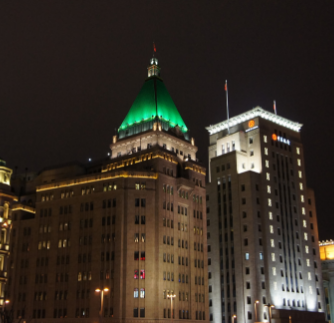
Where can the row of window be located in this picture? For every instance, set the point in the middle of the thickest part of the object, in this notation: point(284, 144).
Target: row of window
point(140, 186)
point(45, 212)
point(40, 296)
point(61, 295)
point(41, 278)
point(108, 203)
point(142, 255)
point(67, 194)
point(136, 293)
point(106, 256)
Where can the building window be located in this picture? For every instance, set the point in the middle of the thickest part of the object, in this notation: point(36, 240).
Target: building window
point(273, 256)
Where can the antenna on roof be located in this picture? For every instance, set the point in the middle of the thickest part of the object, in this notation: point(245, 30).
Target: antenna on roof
point(227, 112)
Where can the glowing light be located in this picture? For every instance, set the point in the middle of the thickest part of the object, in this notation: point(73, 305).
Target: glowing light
point(92, 180)
point(255, 112)
point(274, 136)
point(146, 108)
point(251, 123)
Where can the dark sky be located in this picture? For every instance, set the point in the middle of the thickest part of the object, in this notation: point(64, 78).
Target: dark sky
point(70, 70)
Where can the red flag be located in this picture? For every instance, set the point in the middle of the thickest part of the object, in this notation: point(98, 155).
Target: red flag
point(225, 86)
point(154, 48)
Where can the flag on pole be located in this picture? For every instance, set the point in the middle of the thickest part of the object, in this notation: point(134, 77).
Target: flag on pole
point(227, 111)
point(154, 48)
point(274, 106)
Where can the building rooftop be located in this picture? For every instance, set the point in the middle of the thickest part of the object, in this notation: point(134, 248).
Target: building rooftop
point(153, 103)
point(255, 112)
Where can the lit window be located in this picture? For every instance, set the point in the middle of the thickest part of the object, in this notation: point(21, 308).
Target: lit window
point(137, 186)
point(135, 293)
point(142, 274)
point(308, 262)
point(264, 138)
point(273, 256)
point(307, 249)
point(310, 289)
point(305, 236)
point(267, 163)
point(268, 176)
point(274, 271)
point(252, 152)
point(301, 186)
point(299, 163)
point(266, 151)
point(268, 189)
point(271, 229)
point(261, 256)
point(300, 174)
point(247, 255)
point(269, 202)
point(142, 293)
point(309, 276)
point(302, 198)
point(298, 150)
point(304, 223)
point(303, 211)
point(272, 243)
point(275, 285)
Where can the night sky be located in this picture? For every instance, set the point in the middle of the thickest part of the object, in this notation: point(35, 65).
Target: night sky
point(70, 70)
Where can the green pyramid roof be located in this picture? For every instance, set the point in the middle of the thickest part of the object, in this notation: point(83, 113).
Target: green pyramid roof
point(146, 108)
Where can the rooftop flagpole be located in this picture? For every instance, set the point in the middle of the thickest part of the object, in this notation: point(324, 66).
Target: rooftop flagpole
point(227, 112)
point(274, 106)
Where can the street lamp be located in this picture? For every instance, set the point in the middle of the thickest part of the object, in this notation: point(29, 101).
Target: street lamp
point(98, 290)
point(171, 303)
point(255, 310)
point(233, 318)
point(269, 310)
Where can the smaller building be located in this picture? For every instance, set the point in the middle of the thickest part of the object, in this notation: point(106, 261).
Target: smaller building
point(326, 251)
point(6, 200)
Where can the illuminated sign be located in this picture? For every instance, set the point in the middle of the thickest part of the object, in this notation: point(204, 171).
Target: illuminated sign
point(251, 123)
point(280, 139)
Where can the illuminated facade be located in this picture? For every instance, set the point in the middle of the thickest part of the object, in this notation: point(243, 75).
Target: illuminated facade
point(262, 227)
point(326, 249)
point(6, 201)
point(132, 226)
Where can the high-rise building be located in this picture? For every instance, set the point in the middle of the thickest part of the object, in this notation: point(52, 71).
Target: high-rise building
point(7, 198)
point(326, 249)
point(263, 251)
point(123, 238)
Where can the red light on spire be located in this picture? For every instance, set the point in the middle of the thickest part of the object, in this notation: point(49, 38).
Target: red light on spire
point(154, 48)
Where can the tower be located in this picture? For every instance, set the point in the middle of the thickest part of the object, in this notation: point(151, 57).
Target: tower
point(122, 239)
point(262, 228)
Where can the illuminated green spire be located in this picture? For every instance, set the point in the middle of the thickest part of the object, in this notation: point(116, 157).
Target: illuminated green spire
point(153, 102)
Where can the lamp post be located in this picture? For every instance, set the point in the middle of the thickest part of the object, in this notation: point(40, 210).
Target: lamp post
point(171, 303)
point(233, 318)
point(255, 311)
point(98, 290)
point(269, 310)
